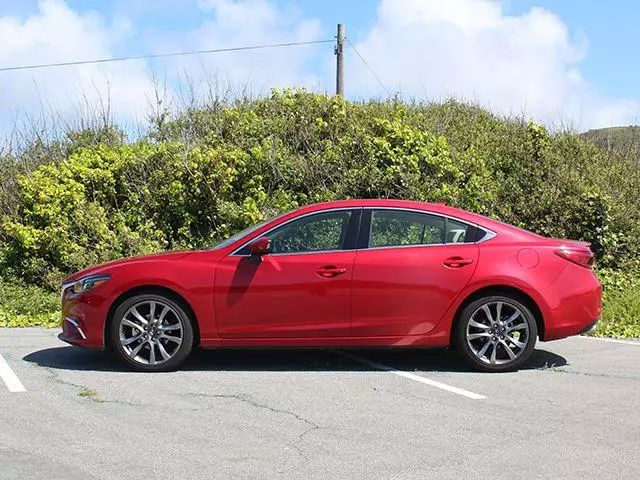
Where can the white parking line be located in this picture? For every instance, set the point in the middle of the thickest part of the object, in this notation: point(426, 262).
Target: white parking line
point(613, 340)
point(411, 376)
point(11, 380)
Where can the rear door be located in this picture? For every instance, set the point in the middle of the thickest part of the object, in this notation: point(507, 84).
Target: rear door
point(409, 268)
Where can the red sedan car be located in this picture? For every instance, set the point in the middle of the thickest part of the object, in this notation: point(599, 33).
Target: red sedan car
point(339, 274)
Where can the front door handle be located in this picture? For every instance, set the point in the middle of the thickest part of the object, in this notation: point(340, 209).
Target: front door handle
point(457, 262)
point(330, 271)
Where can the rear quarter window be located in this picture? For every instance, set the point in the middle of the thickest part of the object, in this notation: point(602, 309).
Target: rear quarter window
point(461, 232)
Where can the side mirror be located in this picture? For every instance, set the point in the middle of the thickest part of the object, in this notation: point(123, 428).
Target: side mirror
point(260, 246)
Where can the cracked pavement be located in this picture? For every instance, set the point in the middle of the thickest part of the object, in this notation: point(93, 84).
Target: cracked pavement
point(571, 413)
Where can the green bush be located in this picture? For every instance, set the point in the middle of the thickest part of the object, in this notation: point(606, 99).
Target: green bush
point(202, 174)
point(28, 306)
point(620, 305)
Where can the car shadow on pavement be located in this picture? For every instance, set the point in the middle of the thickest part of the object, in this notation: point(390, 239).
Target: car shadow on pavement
point(271, 360)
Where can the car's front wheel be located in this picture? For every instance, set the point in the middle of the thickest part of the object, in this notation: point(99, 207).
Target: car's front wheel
point(496, 333)
point(151, 332)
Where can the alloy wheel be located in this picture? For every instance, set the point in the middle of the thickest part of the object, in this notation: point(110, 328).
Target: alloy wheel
point(497, 333)
point(151, 332)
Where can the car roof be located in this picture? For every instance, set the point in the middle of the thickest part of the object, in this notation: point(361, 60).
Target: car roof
point(438, 208)
point(432, 207)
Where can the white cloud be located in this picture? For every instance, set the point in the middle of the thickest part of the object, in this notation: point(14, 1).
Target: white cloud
point(473, 50)
point(255, 22)
point(233, 23)
point(56, 33)
point(470, 49)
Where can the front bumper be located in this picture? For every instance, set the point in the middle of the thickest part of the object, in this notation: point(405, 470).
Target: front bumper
point(83, 317)
point(72, 332)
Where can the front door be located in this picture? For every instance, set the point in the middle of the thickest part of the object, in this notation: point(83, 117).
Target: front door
point(300, 289)
point(411, 269)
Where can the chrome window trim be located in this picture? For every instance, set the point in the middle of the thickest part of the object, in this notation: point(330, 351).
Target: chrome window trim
point(387, 247)
point(339, 209)
point(304, 253)
point(489, 234)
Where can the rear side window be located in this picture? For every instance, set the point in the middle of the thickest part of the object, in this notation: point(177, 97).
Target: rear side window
point(398, 228)
point(393, 228)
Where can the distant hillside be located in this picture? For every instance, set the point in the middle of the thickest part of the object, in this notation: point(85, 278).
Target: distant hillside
point(618, 139)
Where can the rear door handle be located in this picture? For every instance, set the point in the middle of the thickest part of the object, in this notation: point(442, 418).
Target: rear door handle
point(457, 262)
point(330, 271)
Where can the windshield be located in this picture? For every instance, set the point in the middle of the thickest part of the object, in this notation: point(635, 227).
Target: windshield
point(246, 231)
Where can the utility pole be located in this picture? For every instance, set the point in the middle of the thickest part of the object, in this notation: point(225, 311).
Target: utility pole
point(339, 52)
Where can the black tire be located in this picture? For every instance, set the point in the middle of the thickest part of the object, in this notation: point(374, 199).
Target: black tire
point(121, 332)
point(470, 348)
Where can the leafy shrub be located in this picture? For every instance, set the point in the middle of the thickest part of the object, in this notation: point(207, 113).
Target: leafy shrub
point(205, 173)
point(24, 305)
point(621, 304)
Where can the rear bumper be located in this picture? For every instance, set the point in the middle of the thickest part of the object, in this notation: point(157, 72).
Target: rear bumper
point(575, 304)
point(590, 329)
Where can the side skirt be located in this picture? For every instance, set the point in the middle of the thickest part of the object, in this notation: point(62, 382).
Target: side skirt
point(440, 340)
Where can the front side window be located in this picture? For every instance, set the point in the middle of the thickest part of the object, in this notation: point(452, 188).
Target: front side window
point(312, 233)
point(398, 228)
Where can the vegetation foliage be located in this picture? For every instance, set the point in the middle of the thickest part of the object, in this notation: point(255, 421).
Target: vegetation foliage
point(204, 173)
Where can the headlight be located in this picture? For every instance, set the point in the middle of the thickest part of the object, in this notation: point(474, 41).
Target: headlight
point(87, 283)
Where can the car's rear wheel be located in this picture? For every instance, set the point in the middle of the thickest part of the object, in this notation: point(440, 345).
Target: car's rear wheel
point(496, 333)
point(151, 333)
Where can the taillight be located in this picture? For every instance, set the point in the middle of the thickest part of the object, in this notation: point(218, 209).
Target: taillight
point(581, 257)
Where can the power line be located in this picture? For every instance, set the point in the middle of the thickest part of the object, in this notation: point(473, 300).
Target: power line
point(161, 55)
point(369, 67)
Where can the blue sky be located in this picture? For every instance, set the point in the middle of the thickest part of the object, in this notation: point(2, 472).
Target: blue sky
point(569, 62)
point(611, 29)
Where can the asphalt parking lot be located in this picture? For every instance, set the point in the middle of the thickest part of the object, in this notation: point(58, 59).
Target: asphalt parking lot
point(401, 414)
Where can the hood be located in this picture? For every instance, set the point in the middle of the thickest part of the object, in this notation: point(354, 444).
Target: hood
point(105, 267)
